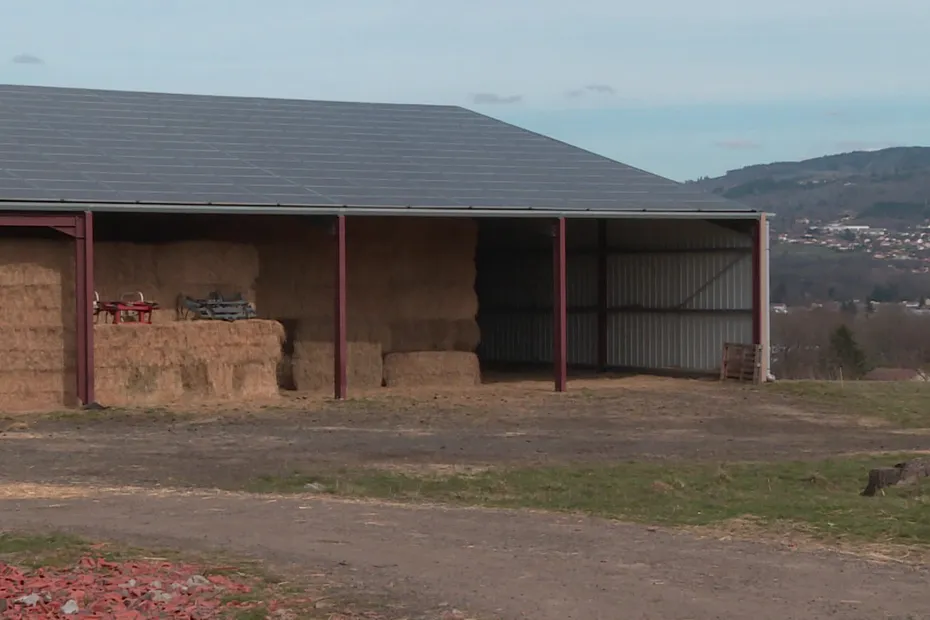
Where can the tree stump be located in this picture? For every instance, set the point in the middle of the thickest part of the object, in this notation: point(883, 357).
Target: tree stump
point(908, 472)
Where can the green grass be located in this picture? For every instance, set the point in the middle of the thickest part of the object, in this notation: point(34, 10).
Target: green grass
point(821, 497)
point(34, 550)
point(904, 404)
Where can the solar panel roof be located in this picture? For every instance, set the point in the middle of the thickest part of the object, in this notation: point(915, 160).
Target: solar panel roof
point(128, 147)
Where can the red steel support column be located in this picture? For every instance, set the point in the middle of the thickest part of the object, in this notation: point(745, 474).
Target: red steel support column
point(84, 295)
point(80, 332)
point(602, 295)
point(340, 349)
point(559, 307)
point(758, 230)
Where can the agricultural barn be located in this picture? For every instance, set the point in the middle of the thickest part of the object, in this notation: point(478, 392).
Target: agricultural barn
point(379, 245)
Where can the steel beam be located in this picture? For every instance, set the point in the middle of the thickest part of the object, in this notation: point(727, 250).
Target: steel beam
point(559, 307)
point(85, 316)
point(62, 223)
point(340, 347)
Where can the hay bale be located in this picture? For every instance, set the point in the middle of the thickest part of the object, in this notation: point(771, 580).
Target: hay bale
point(432, 368)
point(37, 390)
point(193, 361)
point(409, 336)
point(399, 270)
point(37, 308)
point(313, 365)
point(163, 271)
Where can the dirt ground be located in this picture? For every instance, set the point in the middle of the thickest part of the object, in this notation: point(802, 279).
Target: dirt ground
point(494, 563)
point(524, 423)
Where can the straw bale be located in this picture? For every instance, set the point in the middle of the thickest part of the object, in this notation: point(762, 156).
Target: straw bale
point(187, 360)
point(359, 328)
point(313, 365)
point(296, 272)
point(138, 385)
point(36, 262)
point(163, 271)
point(432, 368)
point(36, 283)
point(408, 336)
point(26, 390)
point(205, 266)
point(398, 269)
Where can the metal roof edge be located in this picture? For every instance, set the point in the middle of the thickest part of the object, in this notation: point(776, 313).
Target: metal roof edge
point(385, 211)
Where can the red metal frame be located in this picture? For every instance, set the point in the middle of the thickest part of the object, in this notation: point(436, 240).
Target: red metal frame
point(80, 227)
point(602, 305)
point(340, 347)
point(559, 307)
point(757, 243)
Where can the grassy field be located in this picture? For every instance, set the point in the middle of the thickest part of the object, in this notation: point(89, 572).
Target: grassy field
point(822, 498)
point(904, 404)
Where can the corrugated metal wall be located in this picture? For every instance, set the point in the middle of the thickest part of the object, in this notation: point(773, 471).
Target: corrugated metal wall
point(677, 290)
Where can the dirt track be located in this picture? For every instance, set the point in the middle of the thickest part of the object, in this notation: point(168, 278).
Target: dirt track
point(508, 565)
point(505, 565)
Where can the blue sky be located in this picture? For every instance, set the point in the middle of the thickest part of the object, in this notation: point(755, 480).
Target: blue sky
point(678, 87)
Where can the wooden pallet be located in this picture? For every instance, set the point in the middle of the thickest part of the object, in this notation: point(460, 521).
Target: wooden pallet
point(742, 362)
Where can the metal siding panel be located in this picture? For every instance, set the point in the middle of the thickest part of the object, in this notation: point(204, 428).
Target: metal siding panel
point(518, 338)
point(660, 279)
point(581, 280)
point(582, 338)
point(518, 283)
point(668, 280)
point(683, 342)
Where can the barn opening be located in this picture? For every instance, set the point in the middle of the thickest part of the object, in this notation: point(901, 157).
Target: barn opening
point(642, 295)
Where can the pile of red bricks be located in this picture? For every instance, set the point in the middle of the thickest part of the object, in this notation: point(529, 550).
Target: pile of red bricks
point(96, 588)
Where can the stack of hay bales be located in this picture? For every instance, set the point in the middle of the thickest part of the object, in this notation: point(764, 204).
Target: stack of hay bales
point(187, 360)
point(37, 318)
point(164, 271)
point(433, 304)
point(411, 290)
point(312, 365)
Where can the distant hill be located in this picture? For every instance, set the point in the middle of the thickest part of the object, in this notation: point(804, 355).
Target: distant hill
point(888, 187)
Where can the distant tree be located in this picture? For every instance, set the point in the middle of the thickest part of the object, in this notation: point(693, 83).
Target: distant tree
point(885, 293)
point(849, 308)
point(846, 352)
point(780, 293)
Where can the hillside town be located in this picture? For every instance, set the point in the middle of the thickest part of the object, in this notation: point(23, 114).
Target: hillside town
point(909, 249)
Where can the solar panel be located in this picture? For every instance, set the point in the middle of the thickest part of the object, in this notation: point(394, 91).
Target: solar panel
point(77, 144)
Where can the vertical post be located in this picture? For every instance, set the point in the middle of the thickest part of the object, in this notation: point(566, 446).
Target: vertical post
point(765, 301)
point(559, 306)
point(84, 294)
point(80, 315)
point(89, 287)
point(602, 295)
point(340, 348)
point(758, 231)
